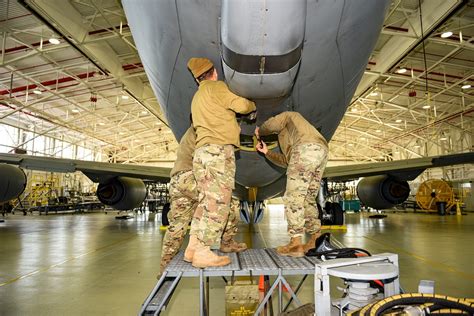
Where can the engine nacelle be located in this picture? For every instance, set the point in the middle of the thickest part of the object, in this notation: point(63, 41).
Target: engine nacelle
point(12, 182)
point(382, 191)
point(122, 193)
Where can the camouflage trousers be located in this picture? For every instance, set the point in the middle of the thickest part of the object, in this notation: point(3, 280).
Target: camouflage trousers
point(305, 168)
point(214, 169)
point(184, 200)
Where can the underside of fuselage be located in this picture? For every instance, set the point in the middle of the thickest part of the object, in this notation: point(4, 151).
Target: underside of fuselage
point(301, 55)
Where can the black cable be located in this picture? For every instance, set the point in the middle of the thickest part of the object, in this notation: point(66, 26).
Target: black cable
point(416, 300)
point(337, 253)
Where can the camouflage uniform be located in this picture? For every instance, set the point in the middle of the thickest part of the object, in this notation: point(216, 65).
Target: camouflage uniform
point(214, 169)
point(184, 200)
point(304, 153)
point(305, 169)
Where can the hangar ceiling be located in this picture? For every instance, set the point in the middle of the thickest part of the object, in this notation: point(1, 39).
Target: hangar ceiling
point(91, 86)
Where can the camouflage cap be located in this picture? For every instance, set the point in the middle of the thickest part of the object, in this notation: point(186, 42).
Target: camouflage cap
point(198, 66)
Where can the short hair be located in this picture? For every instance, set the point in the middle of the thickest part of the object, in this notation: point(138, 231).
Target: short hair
point(206, 75)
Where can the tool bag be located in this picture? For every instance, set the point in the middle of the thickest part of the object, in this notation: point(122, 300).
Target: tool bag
point(241, 298)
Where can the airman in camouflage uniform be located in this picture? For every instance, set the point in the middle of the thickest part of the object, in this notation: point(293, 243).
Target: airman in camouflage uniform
point(213, 109)
point(184, 200)
point(305, 155)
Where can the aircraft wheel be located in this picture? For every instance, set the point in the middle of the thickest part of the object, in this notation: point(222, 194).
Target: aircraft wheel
point(164, 215)
point(335, 212)
point(338, 214)
point(320, 212)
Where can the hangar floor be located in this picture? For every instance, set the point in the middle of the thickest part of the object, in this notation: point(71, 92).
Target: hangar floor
point(93, 264)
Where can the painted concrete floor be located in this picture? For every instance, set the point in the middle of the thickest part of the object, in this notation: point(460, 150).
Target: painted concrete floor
point(93, 264)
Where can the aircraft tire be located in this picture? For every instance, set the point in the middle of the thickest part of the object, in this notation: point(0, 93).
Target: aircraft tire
point(164, 215)
point(338, 214)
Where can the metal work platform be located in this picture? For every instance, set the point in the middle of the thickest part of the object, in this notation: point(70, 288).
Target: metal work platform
point(252, 262)
point(256, 262)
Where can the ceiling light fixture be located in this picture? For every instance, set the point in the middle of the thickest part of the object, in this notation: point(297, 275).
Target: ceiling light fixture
point(125, 97)
point(101, 123)
point(37, 91)
point(466, 86)
point(398, 121)
point(426, 107)
point(374, 94)
point(402, 70)
point(53, 40)
point(362, 138)
point(446, 34)
point(354, 110)
point(75, 110)
point(144, 112)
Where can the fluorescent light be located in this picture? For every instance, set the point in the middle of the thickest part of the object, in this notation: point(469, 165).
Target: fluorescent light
point(125, 97)
point(54, 41)
point(75, 110)
point(350, 144)
point(362, 138)
point(374, 94)
point(426, 106)
point(443, 138)
point(121, 133)
point(402, 70)
point(379, 131)
point(396, 152)
point(446, 34)
point(398, 121)
point(101, 123)
point(417, 146)
point(353, 110)
point(466, 86)
point(37, 91)
point(144, 112)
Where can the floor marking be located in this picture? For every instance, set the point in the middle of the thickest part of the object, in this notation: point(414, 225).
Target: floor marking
point(432, 263)
point(64, 261)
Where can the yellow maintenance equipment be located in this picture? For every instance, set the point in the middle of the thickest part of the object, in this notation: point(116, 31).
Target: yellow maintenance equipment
point(432, 192)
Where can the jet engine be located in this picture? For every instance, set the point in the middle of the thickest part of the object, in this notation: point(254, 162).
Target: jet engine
point(12, 182)
point(382, 191)
point(122, 193)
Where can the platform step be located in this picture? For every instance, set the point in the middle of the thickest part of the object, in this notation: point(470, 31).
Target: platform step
point(158, 299)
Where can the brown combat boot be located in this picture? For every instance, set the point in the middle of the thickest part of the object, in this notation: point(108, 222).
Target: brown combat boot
point(189, 252)
point(204, 258)
point(293, 249)
point(233, 246)
point(311, 243)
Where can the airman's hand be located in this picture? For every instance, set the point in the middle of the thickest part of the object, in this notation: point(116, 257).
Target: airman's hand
point(256, 132)
point(262, 147)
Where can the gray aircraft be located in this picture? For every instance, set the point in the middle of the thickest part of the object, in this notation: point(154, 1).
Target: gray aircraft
point(299, 55)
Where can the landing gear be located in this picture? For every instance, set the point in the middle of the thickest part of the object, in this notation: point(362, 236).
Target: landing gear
point(332, 214)
point(164, 215)
point(251, 212)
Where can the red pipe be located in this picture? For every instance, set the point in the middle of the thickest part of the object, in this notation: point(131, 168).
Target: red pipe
point(396, 28)
point(48, 83)
point(45, 42)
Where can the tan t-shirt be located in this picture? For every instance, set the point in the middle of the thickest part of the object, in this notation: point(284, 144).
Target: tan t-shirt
point(292, 129)
point(184, 156)
point(213, 109)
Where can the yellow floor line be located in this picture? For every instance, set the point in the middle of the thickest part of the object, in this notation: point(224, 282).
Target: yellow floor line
point(429, 262)
point(60, 263)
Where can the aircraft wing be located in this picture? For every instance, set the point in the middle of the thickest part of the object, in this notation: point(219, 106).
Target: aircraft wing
point(96, 171)
point(405, 170)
